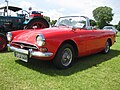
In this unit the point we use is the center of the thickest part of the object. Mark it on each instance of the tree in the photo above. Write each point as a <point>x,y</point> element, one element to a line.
<point>47,18</point>
<point>103,16</point>
<point>118,26</point>
<point>92,22</point>
<point>53,22</point>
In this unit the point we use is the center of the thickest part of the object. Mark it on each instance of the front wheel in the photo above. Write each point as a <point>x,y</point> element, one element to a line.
<point>64,57</point>
<point>3,43</point>
<point>107,47</point>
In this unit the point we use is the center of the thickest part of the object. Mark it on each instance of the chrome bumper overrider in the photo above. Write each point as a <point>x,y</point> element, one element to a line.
<point>30,52</point>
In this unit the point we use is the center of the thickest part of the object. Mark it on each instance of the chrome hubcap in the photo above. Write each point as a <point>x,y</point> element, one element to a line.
<point>66,57</point>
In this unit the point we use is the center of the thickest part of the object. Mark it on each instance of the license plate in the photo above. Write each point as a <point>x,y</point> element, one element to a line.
<point>21,56</point>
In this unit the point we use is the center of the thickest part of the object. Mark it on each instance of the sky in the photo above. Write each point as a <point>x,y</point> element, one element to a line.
<point>57,8</point>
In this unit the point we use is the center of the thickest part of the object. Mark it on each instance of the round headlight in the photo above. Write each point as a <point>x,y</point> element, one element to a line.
<point>9,36</point>
<point>40,40</point>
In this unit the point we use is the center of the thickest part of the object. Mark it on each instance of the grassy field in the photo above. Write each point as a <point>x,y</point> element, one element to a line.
<point>95,72</point>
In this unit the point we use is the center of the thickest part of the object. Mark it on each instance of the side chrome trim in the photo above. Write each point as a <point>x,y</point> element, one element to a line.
<point>30,52</point>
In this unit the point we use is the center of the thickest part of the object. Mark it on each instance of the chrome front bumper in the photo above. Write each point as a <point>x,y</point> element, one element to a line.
<point>30,52</point>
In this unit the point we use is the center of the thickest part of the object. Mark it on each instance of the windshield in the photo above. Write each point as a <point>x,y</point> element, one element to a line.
<point>71,21</point>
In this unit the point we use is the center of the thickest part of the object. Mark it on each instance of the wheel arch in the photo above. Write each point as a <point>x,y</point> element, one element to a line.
<point>110,41</point>
<point>71,42</point>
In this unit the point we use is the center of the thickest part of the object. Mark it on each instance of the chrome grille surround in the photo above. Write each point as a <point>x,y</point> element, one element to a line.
<point>25,46</point>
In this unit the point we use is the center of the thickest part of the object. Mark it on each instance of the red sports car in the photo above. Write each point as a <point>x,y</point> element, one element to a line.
<point>71,37</point>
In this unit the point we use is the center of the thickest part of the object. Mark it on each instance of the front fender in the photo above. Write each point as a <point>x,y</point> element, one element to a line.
<point>53,45</point>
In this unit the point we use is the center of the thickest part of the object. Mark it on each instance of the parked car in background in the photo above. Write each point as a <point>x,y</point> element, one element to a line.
<point>110,28</point>
<point>71,37</point>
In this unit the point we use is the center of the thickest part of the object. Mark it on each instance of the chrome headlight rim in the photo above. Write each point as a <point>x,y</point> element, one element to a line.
<point>40,39</point>
<point>9,36</point>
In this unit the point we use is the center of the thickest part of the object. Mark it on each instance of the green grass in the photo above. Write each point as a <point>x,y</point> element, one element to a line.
<point>95,72</point>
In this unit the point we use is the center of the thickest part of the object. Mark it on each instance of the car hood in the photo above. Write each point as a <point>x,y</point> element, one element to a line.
<point>29,36</point>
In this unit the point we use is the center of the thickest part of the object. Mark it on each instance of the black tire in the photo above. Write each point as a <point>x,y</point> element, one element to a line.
<point>3,42</point>
<point>65,57</point>
<point>107,47</point>
<point>39,22</point>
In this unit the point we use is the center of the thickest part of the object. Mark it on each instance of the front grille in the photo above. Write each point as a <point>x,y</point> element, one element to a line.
<point>25,46</point>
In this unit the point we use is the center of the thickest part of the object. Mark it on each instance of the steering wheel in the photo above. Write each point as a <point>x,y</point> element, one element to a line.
<point>26,13</point>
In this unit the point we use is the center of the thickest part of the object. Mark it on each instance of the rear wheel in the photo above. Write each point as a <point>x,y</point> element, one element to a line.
<point>3,43</point>
<point>39,23</point>
<point>107,47</point>
<point>64,57</point>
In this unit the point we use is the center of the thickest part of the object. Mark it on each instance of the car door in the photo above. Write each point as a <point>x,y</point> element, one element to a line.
<point>92,41</point>
<point>88,41</point>
<point>96,41</point>
<point>102,39</point>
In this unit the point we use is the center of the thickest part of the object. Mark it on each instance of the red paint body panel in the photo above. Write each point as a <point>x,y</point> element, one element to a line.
<point>87,41</point>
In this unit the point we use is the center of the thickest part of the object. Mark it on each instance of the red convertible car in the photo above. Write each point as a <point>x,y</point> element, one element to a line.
<point>71,37</point>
